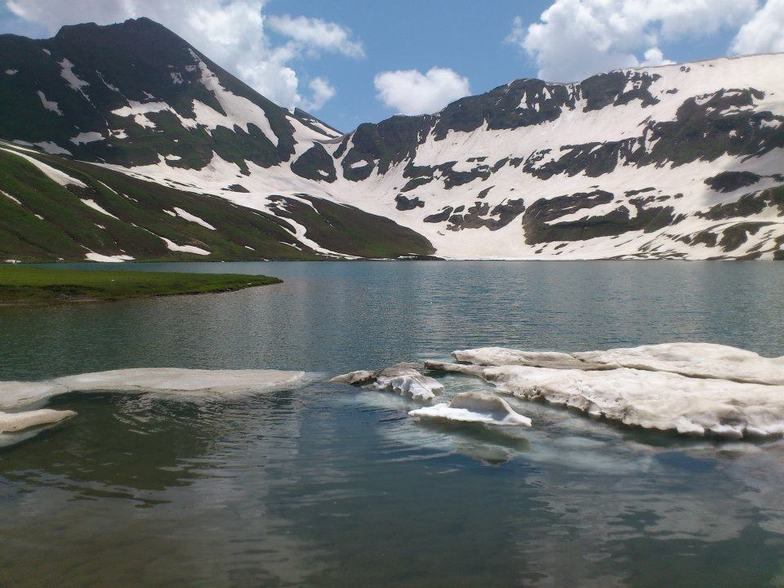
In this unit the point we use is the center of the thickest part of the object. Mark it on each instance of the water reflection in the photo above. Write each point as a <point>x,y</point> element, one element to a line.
<point>333,487</point>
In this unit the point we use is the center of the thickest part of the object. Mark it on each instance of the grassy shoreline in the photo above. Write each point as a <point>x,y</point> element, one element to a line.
<point>27,285</point>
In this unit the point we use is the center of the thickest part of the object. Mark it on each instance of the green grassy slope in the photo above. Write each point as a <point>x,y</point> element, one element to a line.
<point>40,220</point>
<point>40,285</point>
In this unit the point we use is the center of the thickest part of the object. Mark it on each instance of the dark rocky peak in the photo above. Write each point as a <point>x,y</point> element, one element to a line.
<point>618,87</point>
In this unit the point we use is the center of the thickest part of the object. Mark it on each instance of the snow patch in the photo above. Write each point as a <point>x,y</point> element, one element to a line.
<point>139,111</point>
<point>172,246</point>
<point>73,80</point>
<point>95,206</point>
<point>239,111</point>
<point>52,148</point>
<point>49,105</point>
<point>89,137</point>
<point>13,199</point>
<point>100,258</point>
<point>53,174</point>
<point>184,214</point>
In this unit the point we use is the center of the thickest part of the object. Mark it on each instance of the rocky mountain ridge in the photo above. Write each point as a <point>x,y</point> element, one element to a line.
<point>682,161</point>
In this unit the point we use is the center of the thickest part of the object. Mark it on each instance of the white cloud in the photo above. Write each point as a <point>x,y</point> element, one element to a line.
<point>576,38</point>
<point>654,56</point>
<point>412,92</point>
<point>232,33</point>
<point>321,91</point>
<point>763,33</point>
<point>317,34</point>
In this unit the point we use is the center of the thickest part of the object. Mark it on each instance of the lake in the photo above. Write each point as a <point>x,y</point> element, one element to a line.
<point>334,486</point>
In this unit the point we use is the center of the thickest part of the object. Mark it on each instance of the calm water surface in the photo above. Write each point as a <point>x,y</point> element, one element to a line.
<point>330,486</point>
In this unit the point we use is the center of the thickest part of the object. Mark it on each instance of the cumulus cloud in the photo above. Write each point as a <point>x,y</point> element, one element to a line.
<point>233,33</point>
<point>412,92</point>
<point>317,34</point>
<point>576,38</point>
<point>321,91</point>
<point>763,33</point>
<point>654,56</point>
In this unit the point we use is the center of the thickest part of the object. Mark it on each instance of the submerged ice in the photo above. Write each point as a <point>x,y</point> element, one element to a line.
<point>474,407</point>
<point>169,381</point>
<point>21,419</point>
<point>689,388</point>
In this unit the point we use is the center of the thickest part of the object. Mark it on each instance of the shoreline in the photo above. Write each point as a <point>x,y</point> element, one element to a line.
<point>35,286</point>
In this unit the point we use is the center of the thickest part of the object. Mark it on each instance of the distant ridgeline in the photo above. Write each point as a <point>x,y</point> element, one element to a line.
<point>125,142</point>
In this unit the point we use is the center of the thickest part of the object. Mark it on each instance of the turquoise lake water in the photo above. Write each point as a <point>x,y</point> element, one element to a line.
<point>334,486</point>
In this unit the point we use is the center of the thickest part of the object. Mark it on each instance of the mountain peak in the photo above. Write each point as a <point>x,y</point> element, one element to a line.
<point>131,25</point>
<point>670,162</point>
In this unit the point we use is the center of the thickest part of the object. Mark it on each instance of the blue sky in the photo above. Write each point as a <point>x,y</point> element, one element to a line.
<point>331,56</point>
<point>417,34</point>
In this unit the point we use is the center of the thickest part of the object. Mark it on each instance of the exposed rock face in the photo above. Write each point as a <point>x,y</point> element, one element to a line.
<point>731,181</point>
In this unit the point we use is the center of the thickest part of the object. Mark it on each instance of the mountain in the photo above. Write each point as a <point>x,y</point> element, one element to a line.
<point>58,209</point>
<point>133,95</point>
<point>682,161</point>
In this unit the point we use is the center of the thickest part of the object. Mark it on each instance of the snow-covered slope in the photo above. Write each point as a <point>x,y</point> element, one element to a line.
<point>681,161</point>
<point>672,161</point>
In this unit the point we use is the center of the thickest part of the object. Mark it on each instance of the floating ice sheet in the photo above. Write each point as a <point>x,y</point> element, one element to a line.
<point>170,381</point>
<point>699,360</point>
<point>654,400</point>
<point>15,422</point>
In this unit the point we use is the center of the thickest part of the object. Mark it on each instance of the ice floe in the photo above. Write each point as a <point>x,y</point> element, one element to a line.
<point>15,422</point>
<point>688,388</point>
<point>699,360</point>
<point>474,407</point>
<point>504,356</point>
<point>404,379</point>
<point>177,382</point>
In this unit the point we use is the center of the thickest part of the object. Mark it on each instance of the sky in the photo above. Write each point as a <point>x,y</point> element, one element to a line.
<point>352,61</point>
